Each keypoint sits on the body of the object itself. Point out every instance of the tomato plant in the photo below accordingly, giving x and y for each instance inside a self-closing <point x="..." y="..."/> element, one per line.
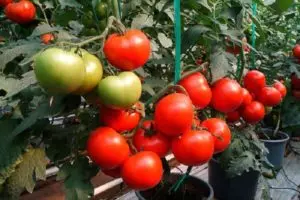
<point x="220" y="131"/>
<point x="193" y="147"/>
<point x="21" y="12"/>
<point x="142" y="171"/>
<point x="227" y="95"/>
<point x="174" y="114"/>
<point x="153" y="141"/>
<point x="198" y="89"/>
<point x="111" y="90"/>
<point x="128" y="51"/>
<point x="119" y="120"/>
<point x="107" y="148"/>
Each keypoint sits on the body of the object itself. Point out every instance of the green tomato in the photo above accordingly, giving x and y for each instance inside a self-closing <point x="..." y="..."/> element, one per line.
<point x="93" y="72"/>
<point x="101" y="9"/>
<point x="88" y="20"/>
<point x="102" y="24"/>
<point x="59" y="71"/>
<point x="120" y="91"/>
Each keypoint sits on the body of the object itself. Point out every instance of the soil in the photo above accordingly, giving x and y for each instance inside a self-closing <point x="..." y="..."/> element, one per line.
<point x="188" y="191"/>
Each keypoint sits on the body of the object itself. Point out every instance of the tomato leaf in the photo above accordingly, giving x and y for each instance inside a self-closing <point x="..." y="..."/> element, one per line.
<point x="42" y="29"/>
<point x="164" y="40"/>
<point x="10" y="147"/>
<point x="290" y="112"/>
<point x="13" y="86"/>
<point x="219" y="64"/>
<point x="31" y="169"/>
<point x="76" y="178"/>
<point x="282" y="5"/>
<point x="43" y="110"/>
<point x="69" y="3"/>
<point x="191" y="36"/>
<point x="142" y="21"/>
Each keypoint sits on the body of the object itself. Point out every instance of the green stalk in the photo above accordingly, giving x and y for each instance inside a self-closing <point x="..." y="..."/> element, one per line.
<point x="116" y="9"/>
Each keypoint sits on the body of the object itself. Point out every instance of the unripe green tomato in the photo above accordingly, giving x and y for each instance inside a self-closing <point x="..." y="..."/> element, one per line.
<point x="101" y="9"/>
<point x="93" y="72"/>
<point x="102" y="24"/>
<point x="88" y="20"/>
<point x="120" y="92"/>
<point x="59" y="71"/>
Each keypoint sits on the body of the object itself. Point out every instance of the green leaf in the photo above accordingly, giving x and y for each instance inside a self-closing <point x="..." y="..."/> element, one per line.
<point x="76" y="178"/>
<point x="191" y="36"/>
<point x="142" y="21"/>
<point x="42" y="111"/>
<point x="244" y="163"/>
<point x="42" y="29"/>
<point x="13" y="86"/>
<point x="290" y="112"/>
<point x="19" y="48"/>
<point x="69" y="3"/>
<point x="164" y="40"/>
<point x="31" y="169"/>
<point x="7" y="172"/>
<point x="204" y="4"/>
<point x="282" y="5"/>
<point x="10" y="147"/>
<point x="219" y="64"/>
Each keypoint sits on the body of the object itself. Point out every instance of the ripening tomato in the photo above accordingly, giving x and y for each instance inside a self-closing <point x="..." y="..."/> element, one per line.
<point x="220" y="131"/>
<point x="198" y="89"/>
<point x="269" y="96"/>
<point x="47" y="38"/>
<point x="235" y="48"/>
<point x="247" y="98"/>
<point x="107" y="148"/>
<point x="253" y="112"/>
<point x="59" y="71"/>
<point x="129" y="51"/>
<point x="281" y="88"/>
<point x="120" y="120"/>
<point x="153" y="141"/>
<point x="193" y="148"/>
<point x="296" y="51"/>
<point x="4" y="3"/>
<point x="295" y="82"/>
<point x="120" y="92"/>
<point x="233" y="116"/>
<point x="142" y="171"/>
<point x="115" y="173"/>
<point x="254" y="81"/>
<point x="296" y="94"/>
<point x="174" y="114"/>
<point x="93" y="72"/>
<point x="227" y="95"/>
<point x="21" y="12"/>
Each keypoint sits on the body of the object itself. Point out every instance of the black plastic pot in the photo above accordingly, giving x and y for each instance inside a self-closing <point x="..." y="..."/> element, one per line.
<point x="241" y="187"/>
<point x="193" y="189"/>
<point x="276" y="147"/>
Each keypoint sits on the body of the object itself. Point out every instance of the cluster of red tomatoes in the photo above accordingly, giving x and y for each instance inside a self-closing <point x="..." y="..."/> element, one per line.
<point x="295" y="81"/>
<point x="257" y="97"/>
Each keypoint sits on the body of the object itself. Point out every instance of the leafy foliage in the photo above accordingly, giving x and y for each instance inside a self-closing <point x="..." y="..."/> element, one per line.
<point x="76" y="178"/>
<point x="31" y="169"/>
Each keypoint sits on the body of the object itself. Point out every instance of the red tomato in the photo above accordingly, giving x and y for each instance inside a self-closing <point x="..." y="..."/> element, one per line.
<point x="269" y="96"/>
<point x="253" y="112"/>
<point x="107" y="148"/>
<point x="194" y="147"/>
<point x="220" y="131"/>
<point x="295" y="82"/>
<point x="156" y="142"/>
<point x="4" y="3"/>
<point x="247" y="98"/>
<point x="281" y="88"/>
<point x="198" y="89"/>
<point x="115" y="173"/>
<point x="296" y="94"/>
<point x="227" y="95"/>
<point x="236" y="49"/>
<point x="120" y="120"/>
<point x="47" y="38"/>
<point x="296" y="51"/>
<point x="142" y="171"/>
<point x="199" y="61"/>
<point x="233" y="116"/>
<point x="174" y="114"/>
<point x="254" y="81"/>
<point x="129" y="51"/>
<point x="21" y="12"/>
